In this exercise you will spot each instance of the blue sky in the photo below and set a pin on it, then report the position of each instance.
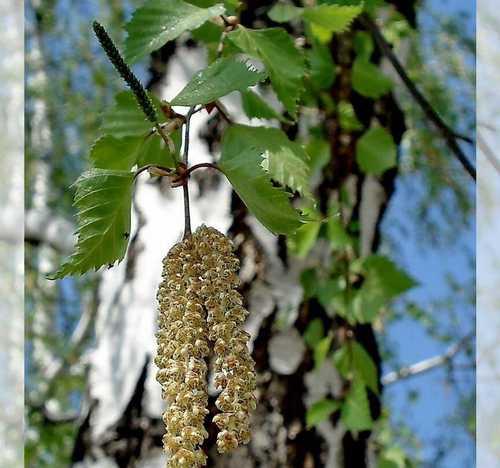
(430, 266)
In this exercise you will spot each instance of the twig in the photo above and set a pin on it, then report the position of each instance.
(185, 188)
(427, 364)
(488, 152)
(155, 170)
(461, 136)
(202, 165)
(448, 134)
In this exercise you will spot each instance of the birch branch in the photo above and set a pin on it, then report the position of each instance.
(449, 135)
(427, 365)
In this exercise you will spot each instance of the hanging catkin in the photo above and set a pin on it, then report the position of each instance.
(234, 368)
(182, 349)
(201, 309)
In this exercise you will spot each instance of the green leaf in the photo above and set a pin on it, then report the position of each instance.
(376, 151)
(284, 12)
(355, 412)
(103, 199)
(392, 457)
(160, 21)
(126, 118)
(209, 33)
(337, 235)
(285, 161)
(321, 350)
(364, 367)
(309, 283)
(283, 61)
(242, 165)
(383, 282)
(302, 241)
(363, 45)
(368, 80)
(322, 68)
(328, 19)
(342, 359)
(113, 153)
(383, 274)
(318, 150)
(123, 154)
(321, 411)
(332, 296)
(255, 107)
(155, 151)
(347, 117)
(220, 78)
(314, 332)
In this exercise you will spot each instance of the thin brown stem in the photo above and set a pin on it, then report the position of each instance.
(203, 165)
(185, 187)
(159, 170)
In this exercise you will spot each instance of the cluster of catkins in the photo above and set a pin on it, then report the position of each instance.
(201, 310)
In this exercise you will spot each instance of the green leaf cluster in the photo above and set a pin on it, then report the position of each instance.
(103, 195)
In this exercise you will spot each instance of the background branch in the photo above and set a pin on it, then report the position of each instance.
(427, 364)
(448, 134)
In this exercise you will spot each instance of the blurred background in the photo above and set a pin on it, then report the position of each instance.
(11, 234)
(91, 397)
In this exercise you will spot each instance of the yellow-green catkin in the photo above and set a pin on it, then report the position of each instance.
(234, 367)
(182, 350)
(200, 309)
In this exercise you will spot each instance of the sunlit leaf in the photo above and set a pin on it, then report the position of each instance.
(160, 21)
(103, 199)
(364, 367)
(321, 66)
(328, 19)
(321, 350)
(218, 79)
(368, 80)
(321, 411)
(376, 151)
(383, 282)
(347, 117)
(285, 161)
(355, 413)
(242, 164)
(283, 61)
(314, 332)
(284, 12)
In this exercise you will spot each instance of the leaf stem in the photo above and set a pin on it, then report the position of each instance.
(202, 165)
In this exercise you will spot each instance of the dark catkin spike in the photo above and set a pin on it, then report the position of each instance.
(125, 72)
